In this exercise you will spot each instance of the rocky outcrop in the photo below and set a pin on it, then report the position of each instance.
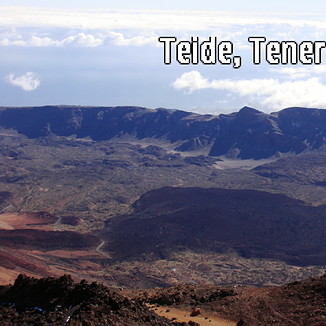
(60, 301)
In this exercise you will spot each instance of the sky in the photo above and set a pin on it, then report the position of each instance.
(108, 53)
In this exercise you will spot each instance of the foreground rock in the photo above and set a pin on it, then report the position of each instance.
(61, 301)
(51, 301)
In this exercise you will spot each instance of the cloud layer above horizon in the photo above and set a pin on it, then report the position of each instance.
(27, 82)
(113, 57)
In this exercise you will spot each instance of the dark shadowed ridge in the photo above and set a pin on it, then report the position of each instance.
(246, 134)
(256, 224)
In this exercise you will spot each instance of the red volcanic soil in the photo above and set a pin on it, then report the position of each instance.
(46, 240)
(13, 261)
(29, 244)
(35, 221)
(12, 221)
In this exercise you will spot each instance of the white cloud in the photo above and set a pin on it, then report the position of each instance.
(301, 72)
(7, 42)
(192, 81)
(39, 41)
(142, 25)
(272, 93)
(120, 39)
(27, 82)
(80, 39)
(157, 19)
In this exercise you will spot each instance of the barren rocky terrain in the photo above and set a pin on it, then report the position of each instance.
(99, 208)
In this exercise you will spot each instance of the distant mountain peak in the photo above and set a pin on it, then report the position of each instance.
(248, 110)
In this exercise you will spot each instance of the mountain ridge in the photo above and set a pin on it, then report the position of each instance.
(247, 134)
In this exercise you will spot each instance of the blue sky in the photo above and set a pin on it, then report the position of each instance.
(107, 53)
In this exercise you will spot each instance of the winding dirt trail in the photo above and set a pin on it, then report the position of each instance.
(100, 250)
(180, 315)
